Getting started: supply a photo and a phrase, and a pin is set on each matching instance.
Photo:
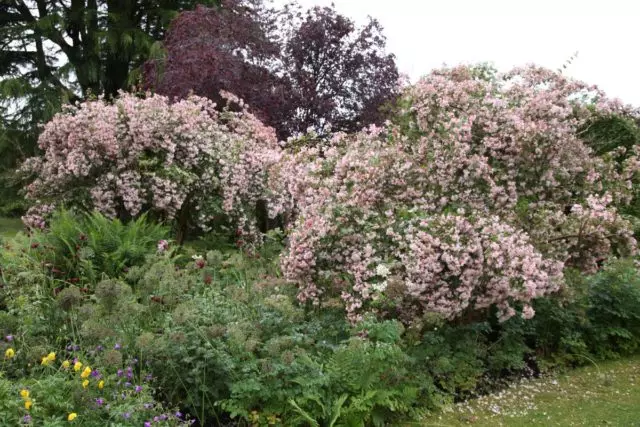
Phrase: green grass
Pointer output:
(592, 396)
(10, 226)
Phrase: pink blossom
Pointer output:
(146, 154)
(465, 201)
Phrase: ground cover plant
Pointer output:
(477, 237)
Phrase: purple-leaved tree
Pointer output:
(296, 70)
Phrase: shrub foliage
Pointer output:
(479, 195)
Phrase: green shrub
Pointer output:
(81, 248)
(227, 341)
(234, 343)
(614, 310)
(92, 244)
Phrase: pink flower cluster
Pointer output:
(463, 200)
(147, 154)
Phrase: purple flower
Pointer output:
(26, 419)
(148, 405)
(156, 418)
(99, 348)
(120, 372)
(117, 346)
(147, 424)
(178, 414)
(95, 373)
(148, 377)
(127, 384)
(129, 372)
(163, 417)
(138, 388)
(99, 401)
(126, 415)
(10, 338)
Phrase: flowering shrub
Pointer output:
(227, 343)
(479, 194)
(184, 161)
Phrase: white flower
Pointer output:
(382, 270)
(196, 257)
(379, 287)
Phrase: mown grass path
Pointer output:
(606, 395)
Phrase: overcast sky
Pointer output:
(424, 34)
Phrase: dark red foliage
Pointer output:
(340, 74)
(295, 70)
(222, 48)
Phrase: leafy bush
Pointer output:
(184, 161)
(225, 341)
(481, 195)
(595, 316)
(99, 243)
(613, 310)
(80, 248)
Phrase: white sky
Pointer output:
(425, 34)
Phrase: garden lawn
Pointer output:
(10, 226)
(587, 396)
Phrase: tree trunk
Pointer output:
(182, 222)
(119, 48)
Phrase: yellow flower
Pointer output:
(9, 353)
(72, 416)
(66, 364)
(254, 416)
(85, 383)
(24, 393)
(86, 372)
(51, 356)
(27, 404)
(45, 361)
(77, 366)
(101, 384)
